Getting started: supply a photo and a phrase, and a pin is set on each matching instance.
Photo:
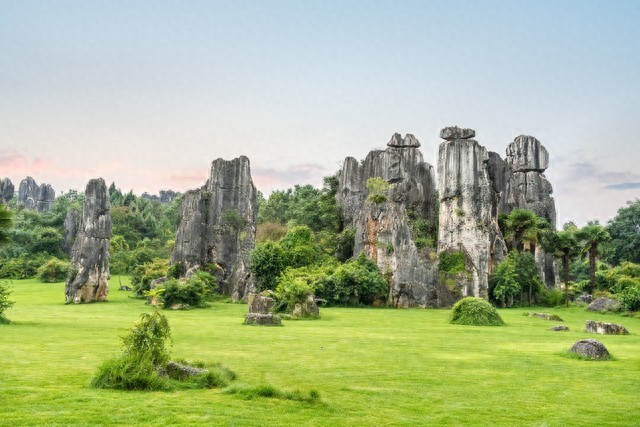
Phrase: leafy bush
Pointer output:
(550, 298)
(291, 290)
(504, 283)
(5, 302)
(267, 262)
(476, 312)
(630, 298)
(54, 270)
(144, 274)
(355, 282)
(452, 262)
(270, 231)
(22, 267)
(378, 189)
(191, 292)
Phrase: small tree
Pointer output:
(5, 302)
(378, 189)
(563, 245)
(591, 237)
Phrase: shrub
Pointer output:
(192, 292)
(270, 231)
(550, 298)
(503, 282)
(630, 298)
(22, 267)
(5, 302)
(476, 312)
(378, 189)
(144, 274)
(452, 262)
(54, 270)
(355, 282)
(267, 262)
(291, 290)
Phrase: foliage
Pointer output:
(291, 290)
(630, 297)
(54, 270)
(145, 273)
(5, 223)
(267, 262)
(564, 245)
(503, 282)
(193, 291)
(378, 189)
(270, 231)
(452, 262)
(475, 312)
(625, 238)
(247, 392)
(5, 302)
(550, 297)
(355, 282)
(517, 273)
(21, 267)
(523, 229)
(300, 248)
(345, 243)
(591, 238)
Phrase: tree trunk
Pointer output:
(565, 277)
(592, 269)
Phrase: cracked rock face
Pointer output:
(218, 226)
(468, 224)
(383, 230)
(71, 224)
(6, 191)
(35, 197)
(89, 275)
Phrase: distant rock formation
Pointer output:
(468, 223)
(35, 197)
(89, 275)
(166, 196)
(218, 226)
(7, 190)
(71, 224)
(384, 230)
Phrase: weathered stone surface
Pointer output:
(545, 316)
(468, 224)
(560, 328)
(260, 304)
(35, 197)
(262, 319)
(605, 328)
(585, 299)
(71, 224)
(603, 305)
(90, 253)
(308, 309)
(218, 226)
(180, 371)
(408, 141)
(381, 226)
(166, 196)
(526, 153)
(7, 190)
(590, 348)
(452, 133)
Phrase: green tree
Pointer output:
(523, 229)
(624, 230)
(563, 245)
(267, 262)
(5, 225)
(591, 238)
(378, 189)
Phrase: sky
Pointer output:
(147, 94)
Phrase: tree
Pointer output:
(591, 237)
(563, 245)
(624, 230)
(523, 229)
(5, 225)
(378, 189)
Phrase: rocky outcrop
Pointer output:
(7, 190)
(545, 316)
(218, 226)
(89, 272)
(603, 305)
(560, 328)
(605, 328)
(260, 311)
(166, 196)
(591, 349)
(386, 230)
(35, 197)
(71, 224)
(468, 224)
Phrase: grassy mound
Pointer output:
(475, 312)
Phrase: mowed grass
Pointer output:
(370, 366)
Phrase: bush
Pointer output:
(144, 274)
(452, 262)
(292, 290)
(630, 298)
(54, 270)
(378, 189)
(192, 292)
(267, 262)
(551, 298)
(355, 282)
(22, 267)
(5, 302)
(475, 312)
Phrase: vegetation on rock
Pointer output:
(474, 312)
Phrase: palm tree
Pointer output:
(5, 223)
(563, 245)
(591, 237)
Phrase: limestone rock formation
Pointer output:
(260, 311)
(602, 305)
(218, 226)
(452, 133)
(71, 224)
(307, 309)
(166, 196)
(590, 348)
(605, 328)
(545, 316)
(384, 230)
(7, 191)
(35, 197)
(89, 276)
(560, 328)
(468, 225)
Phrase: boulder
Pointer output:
(452, 133)
(584, 299)
(260, 304)
(269, 319)
(181, 371)
(545, 316)
(602, 305)
(7, 190)
(308, 309)
(605, 328)
(590, 348)
(560, 328)
(218, 226)
(88, 280)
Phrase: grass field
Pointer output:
(371, 367)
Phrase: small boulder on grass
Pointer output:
(590, 349)
(475, 312)
(545, 316)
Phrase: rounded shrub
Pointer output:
(475, 312)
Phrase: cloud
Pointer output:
(270, 179)
(623, 186)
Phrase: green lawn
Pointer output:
(371, 367)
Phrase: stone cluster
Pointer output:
(260, 311)
(605, 328)
(35, 197)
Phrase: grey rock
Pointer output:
(590, 348)
(218, 226)
(545, 316)
(7, 190)
(602, 305)
(308, 309)
(605, 328)
(71, 225)
(181, 371)
(585, 299)
(408, 141)
(260, 304)
(269, 319)
(165, 196)
(35, 197)
(88, 280)
(526, 153)
(560, 328)
(380, 226)
(453, 133)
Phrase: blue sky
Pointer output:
(148, 93)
